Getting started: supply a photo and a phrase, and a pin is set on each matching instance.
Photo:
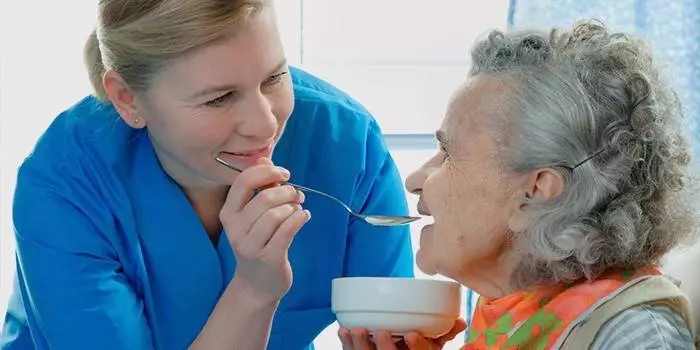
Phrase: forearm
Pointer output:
(239, 321)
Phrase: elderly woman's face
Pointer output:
(462, 187)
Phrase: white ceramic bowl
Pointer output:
(397, 305)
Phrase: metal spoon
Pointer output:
(376, 220)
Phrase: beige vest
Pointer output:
(655, 290)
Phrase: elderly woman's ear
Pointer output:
(541, 185)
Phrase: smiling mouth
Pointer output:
(244, 154)
(248, 153)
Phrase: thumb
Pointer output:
(265, 161)
(415, 341)
(459, 326)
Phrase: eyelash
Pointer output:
(275, 79)
(221, 100)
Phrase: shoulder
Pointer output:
(87, 133)
(644, 327)
(327, 123)
(328, 106)
(310, 88)
(75, 165)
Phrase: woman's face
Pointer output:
(232, 97)
(463, 188)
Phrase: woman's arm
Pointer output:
(239, 319)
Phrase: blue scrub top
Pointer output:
(111, 255)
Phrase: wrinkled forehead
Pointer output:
(480, 102)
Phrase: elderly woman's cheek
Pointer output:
(459, 200)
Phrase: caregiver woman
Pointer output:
(131, 236)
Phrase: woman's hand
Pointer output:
(358, 339)
(260, 230)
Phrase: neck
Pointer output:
(207, 203)
(207, 197)
(491, 280)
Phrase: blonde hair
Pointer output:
(137, 38)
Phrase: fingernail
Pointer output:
(308, 215)
(302, 197)
(284, 172)
(410, 341)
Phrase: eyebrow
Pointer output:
(441, 138)
(228, 87)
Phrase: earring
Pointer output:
(137, 121)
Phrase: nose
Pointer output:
(259, 121)
(414, 181)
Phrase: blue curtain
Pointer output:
(671, 27)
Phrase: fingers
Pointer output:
(267, 211)
(360, 339)
(345, 339)
(251, 179)
(459, 326)
(254, 226)
(284, 235)
(384, 341)
(264, 228)
(271, 198)
(415, 341)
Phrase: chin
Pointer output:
(425, 265)
(428, 272)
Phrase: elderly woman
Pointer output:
(561, 182)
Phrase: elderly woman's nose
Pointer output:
(414, 181)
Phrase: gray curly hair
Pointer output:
(589, 92)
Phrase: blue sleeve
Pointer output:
(379, 251)
(73, 288)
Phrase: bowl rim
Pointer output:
(401, 279)
(394, 312)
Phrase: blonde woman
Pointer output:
(131, 236)
(561, 182)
